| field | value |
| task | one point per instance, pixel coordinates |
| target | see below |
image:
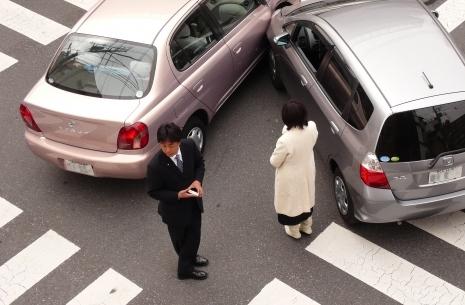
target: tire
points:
(196, 130)
(343, 200)
(274, 73)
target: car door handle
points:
(237, 50)
(198, 87)
(303, 81)
(334, 128)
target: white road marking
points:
(6, 62)
(30, 24)
(383, 270)
(8, 211)
(278, 293)
(32, 264)
(84, 4)
(452, 14)
(448, 227)
(111, 288)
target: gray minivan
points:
(385, 85)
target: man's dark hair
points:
(169, 132)
(294, 114)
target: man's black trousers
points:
(186, 241)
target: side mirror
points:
(435, 13)
(282, 39)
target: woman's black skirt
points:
(292, 221)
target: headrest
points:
(184, 32)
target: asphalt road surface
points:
(70, 236)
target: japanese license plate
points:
(80, 168)
(445, 175)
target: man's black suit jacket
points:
(165, 180)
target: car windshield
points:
(103, 67)
(423, 134)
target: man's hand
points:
(198, 186)
(184, 194)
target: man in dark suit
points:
(173, 173)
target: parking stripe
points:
(451, 14)
(84, 4)
(6, 61)
(30, 24)
(8, 211)
(32, 264)
(383, 270)
(449, 227)
(111, 288)
(278, 293)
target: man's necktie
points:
(178, 162)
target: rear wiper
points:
(452, 152)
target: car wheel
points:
(195, 130)
(343, 200)
(274, 73)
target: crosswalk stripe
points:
(278, 293)
(383, 270)
(6, 61)
(84, 4)
(30, 24)
(32, 264)
(451, 14)
(8, 211)
(449, 227)
(111, 288)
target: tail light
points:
(28, 119)
(133, 137)
(372, 174)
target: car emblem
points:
(71, 124)
(448, 161)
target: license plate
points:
(445, 175)
(80, 168)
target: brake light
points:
(133, 137)
(28, 119)
(372, 174)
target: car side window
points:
(229, 13)
(310, 45)
(193, 38)
(361, 109)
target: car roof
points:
(138, 21)
(402, 48)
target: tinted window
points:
(103, 67)
(336, 83)
(229, 13)
(423, 133)
(193, 38)
(361, 109)
(310, 45)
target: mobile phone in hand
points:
(192, 192)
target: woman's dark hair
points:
(294, 114)
(169, 132)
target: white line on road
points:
(452, 14)
(448, 227)
(30, 24)
(84, 4)
(32, 264)
(383, 270)
(8, 211)
(278, 293)
(6, 62)
(111, 288)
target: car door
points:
(243, 24)
(201, 60)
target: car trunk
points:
(79, 120)
(422, 151)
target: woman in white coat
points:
(294, 195)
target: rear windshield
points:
(103, 67)
(422, 133)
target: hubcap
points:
(341, 195)
(196, 134)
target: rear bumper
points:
(114, 165)
(386, 208)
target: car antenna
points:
(430, 85)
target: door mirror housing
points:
(282, 39)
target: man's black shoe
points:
(200, 261)
(195, 275)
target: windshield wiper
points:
(452, 152)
